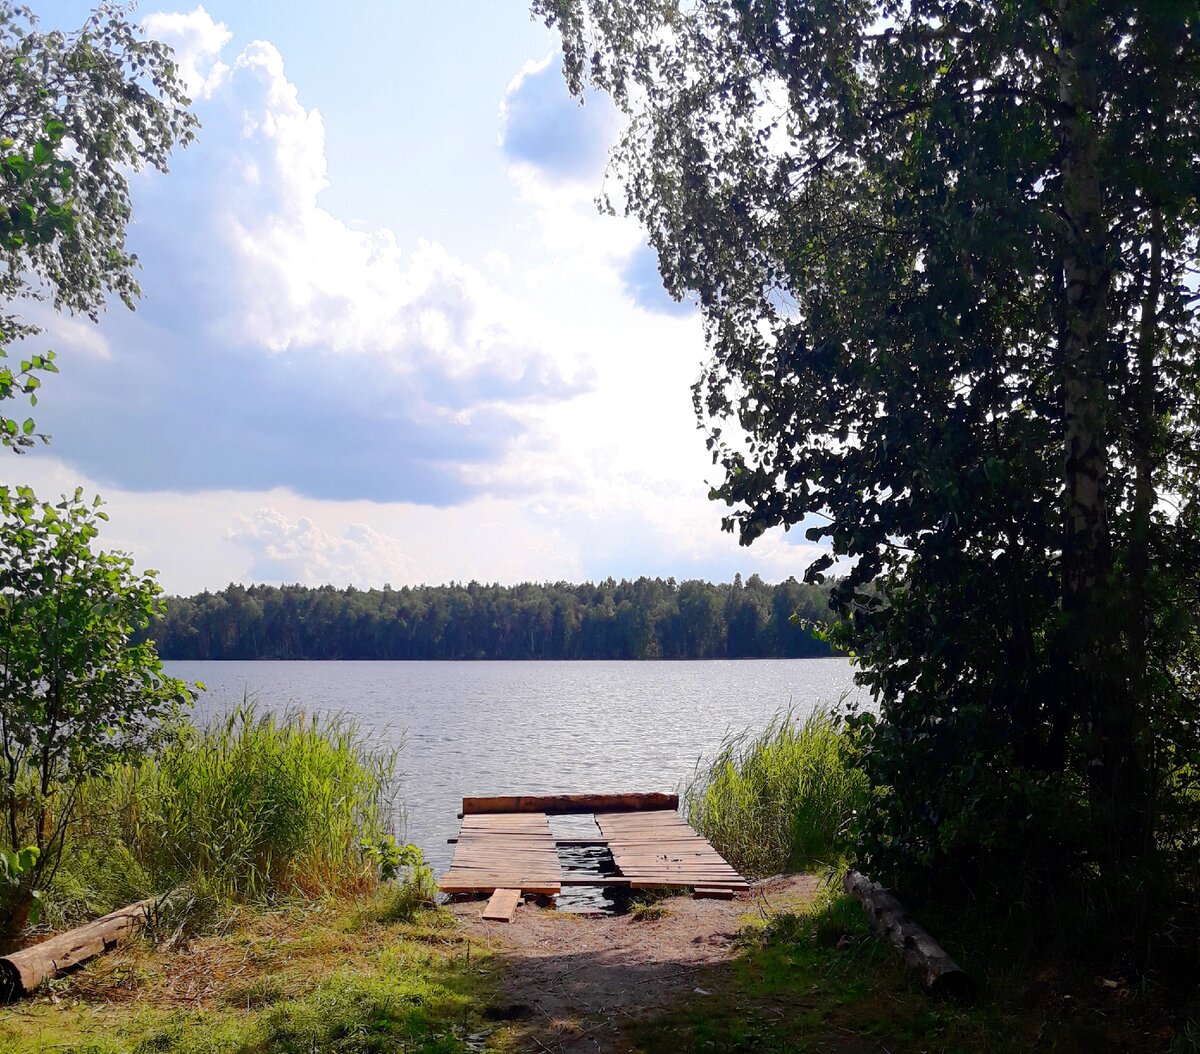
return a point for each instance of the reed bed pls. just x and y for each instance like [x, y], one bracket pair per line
[780, 799]
[251, 808]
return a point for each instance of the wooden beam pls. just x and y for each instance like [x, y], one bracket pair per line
[940, 974]
[23, 971]
[568, 803]
[491, 883]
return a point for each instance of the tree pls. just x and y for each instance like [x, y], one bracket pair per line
[946, 256]
[78, 113]
[76, 693]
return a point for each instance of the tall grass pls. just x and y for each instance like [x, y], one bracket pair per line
[781, 799]
[251, 808]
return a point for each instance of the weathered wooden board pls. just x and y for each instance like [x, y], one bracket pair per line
[508, 851]
[503, 905]
[567, 803]
[505, 844]
[657, 848]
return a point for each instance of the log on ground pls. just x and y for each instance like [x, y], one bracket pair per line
[939, 973]
[23, 971]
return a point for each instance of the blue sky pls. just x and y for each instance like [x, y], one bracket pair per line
[386, 336]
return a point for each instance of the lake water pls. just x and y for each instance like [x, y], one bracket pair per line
[530, 727]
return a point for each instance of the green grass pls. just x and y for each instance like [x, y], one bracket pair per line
[251, 809]
[816, 979]
[315, 977]
[779, 800]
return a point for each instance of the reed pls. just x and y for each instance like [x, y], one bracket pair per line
[780, 799]
[251, 808]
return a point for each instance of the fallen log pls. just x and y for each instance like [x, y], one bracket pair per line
[24, 970]
[569, 803]
[939, 973]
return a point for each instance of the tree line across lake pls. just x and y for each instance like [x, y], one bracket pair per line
[650, 618]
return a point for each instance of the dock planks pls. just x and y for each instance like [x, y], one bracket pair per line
[512, 849]
[504, 851]
[659, 849]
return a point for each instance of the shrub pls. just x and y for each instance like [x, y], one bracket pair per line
[76, 694]
[780, 800]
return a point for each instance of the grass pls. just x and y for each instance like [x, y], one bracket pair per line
[641, 911]
[779, 800]
[816, 979]
[320, 976]
[252, 809]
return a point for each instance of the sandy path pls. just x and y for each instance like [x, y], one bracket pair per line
[574, 981]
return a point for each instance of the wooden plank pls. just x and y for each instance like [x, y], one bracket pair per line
[567, 803]
[546, 889]
[669, 882]
[504, 851]
[658, 848]
[569, 879]
[503, 905]
[712, 893]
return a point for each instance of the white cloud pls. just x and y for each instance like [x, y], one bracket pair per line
[197, 41]
[543, 128]
[276, 342]
[300, 551]
[298, 399]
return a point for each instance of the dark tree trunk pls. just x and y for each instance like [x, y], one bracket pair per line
[1093, 644]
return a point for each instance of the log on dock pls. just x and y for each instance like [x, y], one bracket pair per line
[23, 971]
[568, 803]
[939, 973]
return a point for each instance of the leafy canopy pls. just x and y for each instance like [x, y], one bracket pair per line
[946, 254]
[79, 112]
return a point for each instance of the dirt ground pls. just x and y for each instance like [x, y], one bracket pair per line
[574, 981]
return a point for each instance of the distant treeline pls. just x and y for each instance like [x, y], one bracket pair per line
[651, 618]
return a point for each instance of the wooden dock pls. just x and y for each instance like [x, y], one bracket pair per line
[506, 848]
[659, 849]
[510, 850]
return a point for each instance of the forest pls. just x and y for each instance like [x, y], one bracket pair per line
[649, 618]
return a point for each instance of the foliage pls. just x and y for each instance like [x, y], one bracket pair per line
[252, 808]
[393, 860]
[15, 866]
[643, 619]
[813, 977]
[782, 799]
[945, 254]
[81, 112]
[76, 696]
[306, 978]
[409, 885]
[647, 910]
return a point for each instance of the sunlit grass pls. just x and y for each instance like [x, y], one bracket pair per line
[254, 807]
[780, 799]
[320, 977]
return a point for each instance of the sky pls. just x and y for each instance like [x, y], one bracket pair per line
[386, 336]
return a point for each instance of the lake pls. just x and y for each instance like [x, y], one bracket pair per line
[529, 727]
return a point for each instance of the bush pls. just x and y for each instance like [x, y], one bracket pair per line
[77, 696]
[249, 809]
[409, 888]
[780, 800]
